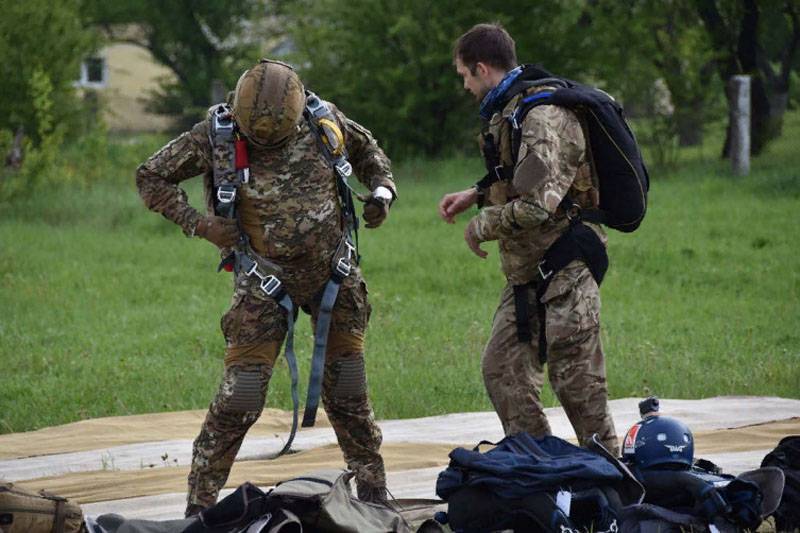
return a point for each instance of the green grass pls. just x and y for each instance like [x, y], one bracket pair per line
[107, 309]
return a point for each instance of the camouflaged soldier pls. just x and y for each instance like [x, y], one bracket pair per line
[524, 213]
[291, 215]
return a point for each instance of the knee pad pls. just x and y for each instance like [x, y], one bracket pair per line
[350, 378]
[249, 391]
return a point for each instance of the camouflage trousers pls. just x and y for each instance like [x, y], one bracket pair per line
[254, 328]
[514, 376]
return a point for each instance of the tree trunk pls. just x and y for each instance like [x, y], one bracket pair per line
[16, 155]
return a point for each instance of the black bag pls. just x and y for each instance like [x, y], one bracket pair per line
[536, 485]
[622, 174]
[786, 456]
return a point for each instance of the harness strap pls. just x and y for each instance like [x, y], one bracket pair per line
[578, 242]
[318, 357]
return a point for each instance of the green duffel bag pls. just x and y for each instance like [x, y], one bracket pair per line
[23, 511]
[324, 502]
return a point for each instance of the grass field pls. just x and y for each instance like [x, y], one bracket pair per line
[107, 309]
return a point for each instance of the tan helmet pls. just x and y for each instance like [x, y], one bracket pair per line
[268, 102]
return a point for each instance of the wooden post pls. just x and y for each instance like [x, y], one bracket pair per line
[740, 124]
[218, 92]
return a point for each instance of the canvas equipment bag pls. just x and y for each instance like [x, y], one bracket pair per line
[786, 456]
[321, 501]
[537, 485]
[23, 511]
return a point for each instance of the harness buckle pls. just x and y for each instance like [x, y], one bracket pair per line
[498, 172]
[226, 193]
[541, 272]
[314, 105]
[344, 168]
[223, 123]
[270, 285]
[343, 266]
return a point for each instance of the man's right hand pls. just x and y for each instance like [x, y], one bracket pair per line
[219, 230]
[455, 203]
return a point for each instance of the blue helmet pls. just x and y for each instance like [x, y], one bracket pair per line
[659, 441]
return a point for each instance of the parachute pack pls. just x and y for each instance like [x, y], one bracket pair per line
[623, 179]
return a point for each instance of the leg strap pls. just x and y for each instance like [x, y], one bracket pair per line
[291, 360]
[320, 344]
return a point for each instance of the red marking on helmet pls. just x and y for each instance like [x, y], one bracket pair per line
[228, 267]
[630, 439]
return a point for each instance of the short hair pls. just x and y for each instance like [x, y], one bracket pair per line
[486, 43]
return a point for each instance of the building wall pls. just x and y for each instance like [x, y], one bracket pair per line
[131, 74]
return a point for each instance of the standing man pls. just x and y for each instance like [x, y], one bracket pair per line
[275, 165]
[537, 184]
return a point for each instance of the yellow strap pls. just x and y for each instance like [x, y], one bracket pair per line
[329, 126]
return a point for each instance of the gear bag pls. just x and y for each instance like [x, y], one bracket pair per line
[786, 456]
[23, 511]
[537, 485]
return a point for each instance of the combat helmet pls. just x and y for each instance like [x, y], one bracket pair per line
[658, 441]
[268, 103]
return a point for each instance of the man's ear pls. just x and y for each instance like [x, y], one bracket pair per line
[481, 70]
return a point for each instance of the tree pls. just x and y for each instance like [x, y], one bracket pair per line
[640, 42]
[388, 63]
[761, 40]
[200, 41]
[37, 85]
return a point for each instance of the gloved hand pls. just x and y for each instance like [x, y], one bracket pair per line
[376, 206]
[218, 230]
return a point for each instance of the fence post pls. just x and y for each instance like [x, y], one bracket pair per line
[740, 124]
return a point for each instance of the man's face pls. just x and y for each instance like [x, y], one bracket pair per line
[477, 84]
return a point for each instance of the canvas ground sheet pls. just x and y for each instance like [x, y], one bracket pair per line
[137, 465]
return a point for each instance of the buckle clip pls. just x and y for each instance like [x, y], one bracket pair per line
[344, 168]
[498, 172]
[270, 285]
[226, 193]
[343, 267]
[223, 123]
[541, 272]
[314, 105]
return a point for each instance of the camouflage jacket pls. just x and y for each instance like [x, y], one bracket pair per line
[290, 208]
[523, 215]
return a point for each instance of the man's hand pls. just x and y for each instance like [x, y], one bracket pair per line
[471, 237]
[376, 206]
[455, 203]
[219, 230]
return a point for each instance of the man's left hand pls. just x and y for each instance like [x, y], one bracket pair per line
[376, 206]
[471, 237]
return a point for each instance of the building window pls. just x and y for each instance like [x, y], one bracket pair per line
[94, 73]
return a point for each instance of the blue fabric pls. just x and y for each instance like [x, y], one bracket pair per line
[496, 96]
[522, 464]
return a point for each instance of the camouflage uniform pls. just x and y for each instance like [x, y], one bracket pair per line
[524, 217]
[290, 211]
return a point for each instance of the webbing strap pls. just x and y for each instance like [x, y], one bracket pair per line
[320, 343]
[291, 360]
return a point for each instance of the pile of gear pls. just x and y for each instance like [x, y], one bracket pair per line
[544, 485]
[521, 484]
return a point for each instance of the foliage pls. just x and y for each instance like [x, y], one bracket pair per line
[41, 39]
[198, 40]
[388, 63]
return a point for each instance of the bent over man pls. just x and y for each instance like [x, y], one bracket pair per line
[536, 184]
[275, 164]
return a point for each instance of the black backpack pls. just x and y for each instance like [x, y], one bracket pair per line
[622, 174]
[786, 456]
